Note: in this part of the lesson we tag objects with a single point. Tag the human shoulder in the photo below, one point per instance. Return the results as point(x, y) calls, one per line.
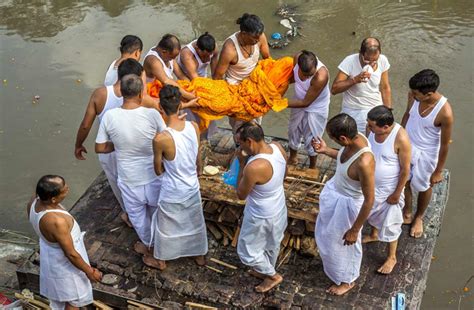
point(99, 97)
point(366, 160)
point(346, 65)
point(282, 150)
point(54, 221)
point(384, 64)
point(321, 76)
point(258, 166)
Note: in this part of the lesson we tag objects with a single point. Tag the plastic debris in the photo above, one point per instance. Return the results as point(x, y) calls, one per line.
point(276, 36)
point(285, 23)
point(79, 81)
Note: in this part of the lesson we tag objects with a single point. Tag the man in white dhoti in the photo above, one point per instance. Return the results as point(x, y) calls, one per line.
point(428, 120)
point(65, 272)
point(130, 47)
point(260, 182)
point(345, 203)
point(363, 80)
point(129, 131)
point(195, 59)
point(310, 107)
point(391, 147)
point(178, 225)
point(103, 99)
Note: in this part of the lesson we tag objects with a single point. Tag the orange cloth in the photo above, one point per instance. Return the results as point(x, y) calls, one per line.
point(254, 97)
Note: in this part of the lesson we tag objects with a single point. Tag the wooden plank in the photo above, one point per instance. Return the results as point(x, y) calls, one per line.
point(139, 305)
point(302, 215)
point(193, 305)
point(214, 231)
point(226, 231)
point(236, 237)
point(34, 302)
point(101, 305)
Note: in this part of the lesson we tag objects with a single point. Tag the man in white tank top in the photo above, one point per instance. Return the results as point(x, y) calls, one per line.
point(391, 147)
point(260, 183)
point(428, 120)
point(240, 54)
point(103, 99)
point(129, 131)
point(345, 203)
point(160, 64)
point(310, 107)
point(195, 60)
point(65, 272)
point(178, 225)
point(363, 81)
point(130, 47)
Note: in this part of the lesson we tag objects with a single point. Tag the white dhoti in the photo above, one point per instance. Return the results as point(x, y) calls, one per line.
point(179, 229)
point(423, 164)
point(359, 115)
point(140, 204)
point(81, 302)
point(108, 162)
point(337, 214)
point(305, 126)
point(387, 218)
point(193, 117)
point(259, 241)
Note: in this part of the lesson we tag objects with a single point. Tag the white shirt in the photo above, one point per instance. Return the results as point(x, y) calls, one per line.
point(132, 133)
point(363, 95)
point(321, 103)
point(112, 75)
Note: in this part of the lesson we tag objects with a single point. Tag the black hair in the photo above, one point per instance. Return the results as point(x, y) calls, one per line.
point(381, 115)
point(367, 47)
point(251, 24)
point(170, 99)
point(342, 125)
point(130, 44)
point(169, 43)
point(424, 81)
point(251, 130)
point(307, 61)
point(206, 42)
point(131, 85)
point(48, 186)
point(129, 66)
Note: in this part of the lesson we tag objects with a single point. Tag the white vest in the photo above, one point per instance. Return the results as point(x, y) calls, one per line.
point(112, 102)
point(202, 66)
point(344, 184)
point(424, 135)
point(59, 279)
point(267, 200)
point(387, 165)
point(180, 180)
point(168, 70)
point(112, 75)
point(321, 103)
point(244, 66)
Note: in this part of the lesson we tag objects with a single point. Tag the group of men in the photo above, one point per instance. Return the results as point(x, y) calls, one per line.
point(149, 151)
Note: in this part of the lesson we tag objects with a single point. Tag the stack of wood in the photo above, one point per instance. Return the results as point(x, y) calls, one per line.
point(223, 210)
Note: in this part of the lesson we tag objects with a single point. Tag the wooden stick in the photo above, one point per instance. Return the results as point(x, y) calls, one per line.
point(225, 230)
point(192, 305)
point(139, 305)
point(304, 181)
point(100, 305)
point(214, 231)
point(215, 260)
point(213, 269)
point(236, 237)
point(292, 240)
point(35, 303)
point(225, 241)
point(286, 238)
point(298, 243)
point(285, 256)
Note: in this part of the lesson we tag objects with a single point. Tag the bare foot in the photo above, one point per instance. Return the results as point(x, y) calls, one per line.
point(341, 289)
point(407, 218)
point(416, 230)
point(257, 274)
point(150, 261)
point(387, 267)
point(124, 217)
point(370, 238)
point(140, 248)
point(200, 260)
point(269, 283)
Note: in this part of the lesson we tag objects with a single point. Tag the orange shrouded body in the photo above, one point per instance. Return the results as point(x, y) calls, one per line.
point(261, 92)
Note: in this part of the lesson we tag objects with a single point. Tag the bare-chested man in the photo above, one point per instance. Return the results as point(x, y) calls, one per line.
point(344, 203)
point(428, 120)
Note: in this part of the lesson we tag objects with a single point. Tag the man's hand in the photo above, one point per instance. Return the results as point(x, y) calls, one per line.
point(362, 77)
point(319, 145)
point(94, 275)
point(436, 177)
point(394, 198)
point(350, 237)
point(193, 103)
point(241, 156)
point(78, 152)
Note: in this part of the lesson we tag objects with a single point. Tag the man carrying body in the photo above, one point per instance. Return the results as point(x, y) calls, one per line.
point(179, 227)
point(260, 182)
point(103, 99)
point(391, 147)
point(65, 272)
point(310, 107)
point(130, 47)
point(428, 121)
point(363, 80)
point(195, 59)
point(344, 203)
point(129, 131)
point(159, 64)
point(240, 54)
